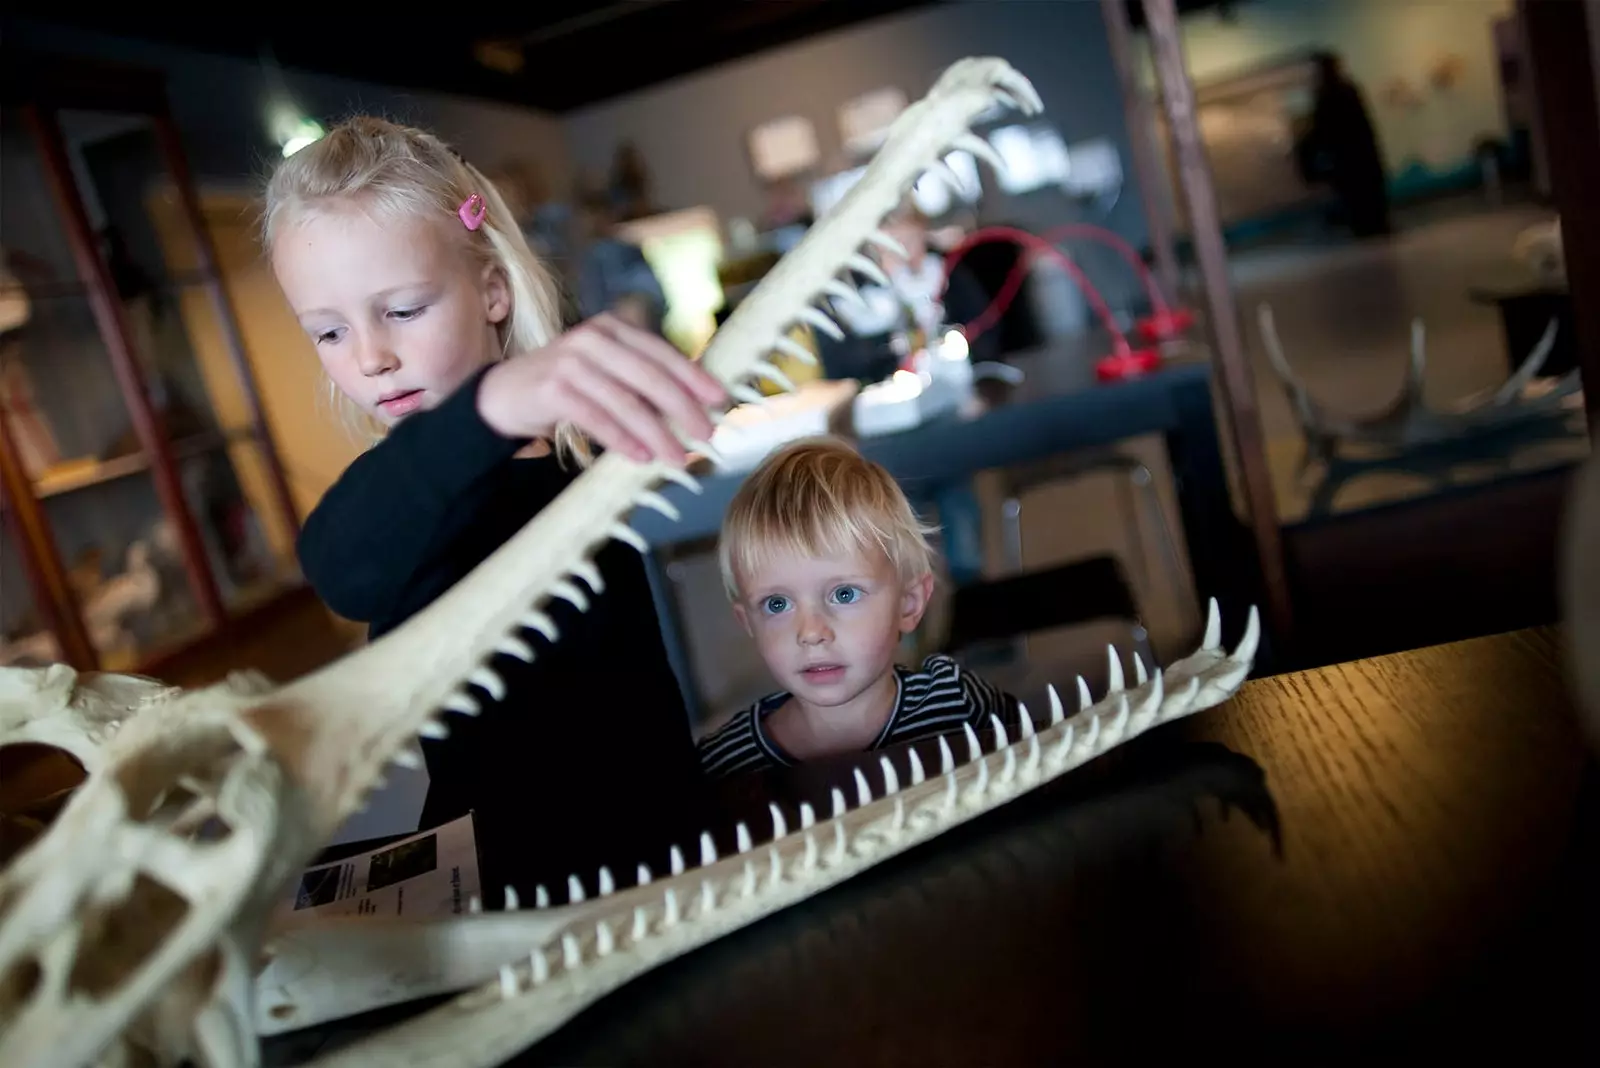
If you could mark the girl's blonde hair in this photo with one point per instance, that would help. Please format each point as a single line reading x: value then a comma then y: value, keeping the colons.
x: 820, y: 497
x: 401, y: 171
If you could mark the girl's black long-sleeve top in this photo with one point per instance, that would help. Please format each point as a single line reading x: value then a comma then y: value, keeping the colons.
x: 588, y: 758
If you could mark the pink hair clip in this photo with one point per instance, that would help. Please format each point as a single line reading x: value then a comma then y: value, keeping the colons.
x: 472, y: 211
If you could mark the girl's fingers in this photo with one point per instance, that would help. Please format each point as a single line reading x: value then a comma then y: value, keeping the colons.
x: 696, y: 379
x: 593, y: 418
x: 636, y: 373
x: 641, y: 422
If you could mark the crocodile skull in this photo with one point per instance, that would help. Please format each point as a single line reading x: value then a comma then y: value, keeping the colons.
x: 134, y: 921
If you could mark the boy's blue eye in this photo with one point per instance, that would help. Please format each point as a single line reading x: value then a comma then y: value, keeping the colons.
x: 774, y: 604
x: 403, y: 314
x: 847, y: 595
x: 327, y: 335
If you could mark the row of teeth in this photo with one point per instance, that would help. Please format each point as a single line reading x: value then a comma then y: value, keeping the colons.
x: 485, y: 677
x: 1035, y: 754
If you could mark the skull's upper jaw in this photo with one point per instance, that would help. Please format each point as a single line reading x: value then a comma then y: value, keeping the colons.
x: 337, y: 729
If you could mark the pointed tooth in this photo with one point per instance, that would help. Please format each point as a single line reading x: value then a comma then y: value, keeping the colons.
x: 435, y: 730
x: 641, y: 924
x: 511, y: 645
x: 1085, y: 699
x: 775, y: 865
x: 747, y: 880
x: 681, y: 477
x: 1119, y: 725
x: 1213, y: 638
x: 838, y: 802
x: 1024, y: 721
x: 741, y: 835
x: 821, y: 321
x: 512, y: 900
x: 675, y: 859
x: 541, y: 897
x: 704, y: 448
x: 747, y: 394
x: 652, y: 499
x: 1246, y: 650
x: 947, y: 761
x: 973, y: 144
x: 571, y: 954
x: 891, y: 780
x: 974, y: 750
x: 765, y: 370
x: 669, y: 908
x: 1056, y: 711
x: 1034, y: 751
x: 542, y: 623
x: 1001, y: 739
x: 981, y: 780
x: 951, y: 791
x: 574, y: 889
x: 809, y: 860
x: 708, y: 850
x: 863, y: 793
x: 840, y: 843
x: 793, y: 349
x: 808, y: 815
x: 539, y: 964
x: 1064, y: 746
x: 628, y: 536
x: 1008, y: 766
x: 941, y: 169
x: 1140, y: 675
x: 779, y: 826
x: 570, y: 593
x: 407, y: 758
x: 884, y: 241
x: 844, y: 291
x: 642, y: 876
x: 489, y: 680
x: 508, y: 982
x: 917, y: 774
x: 1114, y: 667
x: 589, y: 575
x: 708, y: 897
x: 607, y: 883
x: 1021, y: 89
x: 857, y: 262
x: 1151, y: 706
x: 604, y: 940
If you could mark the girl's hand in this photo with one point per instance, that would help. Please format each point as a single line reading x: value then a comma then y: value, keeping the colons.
x: 620, y: 385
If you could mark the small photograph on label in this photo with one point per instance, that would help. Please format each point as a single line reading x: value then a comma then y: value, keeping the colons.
x: 405, y: 861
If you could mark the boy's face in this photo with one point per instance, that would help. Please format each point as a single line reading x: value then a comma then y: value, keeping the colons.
x: 828, y: 626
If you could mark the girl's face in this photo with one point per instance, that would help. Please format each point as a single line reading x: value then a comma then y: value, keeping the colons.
x: 399, y: 312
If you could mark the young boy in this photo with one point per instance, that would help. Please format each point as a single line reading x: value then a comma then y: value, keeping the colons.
x: 827, y: 567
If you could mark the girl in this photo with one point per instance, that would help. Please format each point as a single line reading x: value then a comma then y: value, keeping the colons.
x: 438, y: 331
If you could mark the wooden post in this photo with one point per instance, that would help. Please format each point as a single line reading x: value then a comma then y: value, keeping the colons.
x: 178, y: 164
x: 107, y: 308
x: 42, y: 559
x: 1562, y: 51
x: 1149, y: 175
x: 1233, y: 372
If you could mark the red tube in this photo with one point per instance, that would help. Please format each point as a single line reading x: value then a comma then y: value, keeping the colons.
x: 1036, y: 246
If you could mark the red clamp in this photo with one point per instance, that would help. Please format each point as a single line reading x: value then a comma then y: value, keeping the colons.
x: 1165, y: 325
x: 1128, y: 364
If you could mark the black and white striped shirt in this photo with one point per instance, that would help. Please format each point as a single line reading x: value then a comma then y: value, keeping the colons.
x: 935, y: 699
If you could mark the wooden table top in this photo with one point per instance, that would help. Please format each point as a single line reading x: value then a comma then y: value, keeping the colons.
x: 1383, y: 858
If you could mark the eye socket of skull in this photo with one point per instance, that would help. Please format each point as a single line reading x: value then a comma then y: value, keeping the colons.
x: 35, y: 781
x: 177, y: 784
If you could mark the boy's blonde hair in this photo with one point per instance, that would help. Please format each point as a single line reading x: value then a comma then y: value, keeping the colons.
x: 401, y: 171
x: 820, y: 497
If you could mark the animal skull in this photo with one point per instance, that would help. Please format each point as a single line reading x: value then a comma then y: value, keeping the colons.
x: 133, y: 925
